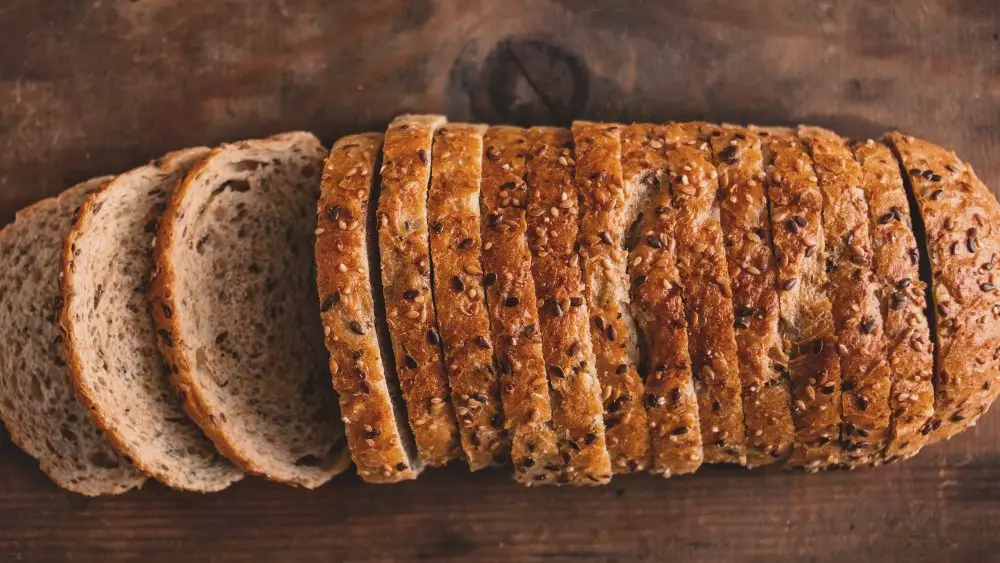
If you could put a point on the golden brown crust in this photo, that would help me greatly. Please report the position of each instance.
(456, 252)
(562, 309)
(605, 211)
(960, 219)
(864, 370)
(701, 261)
(657, 304)
(405, 253)
(747, 227)
(902, 295)
(347, 309)
(514, 324)
(806, 324)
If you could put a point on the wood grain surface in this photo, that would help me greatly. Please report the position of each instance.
(93, 87)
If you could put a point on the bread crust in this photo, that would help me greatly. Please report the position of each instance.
(453, 209)
(562, 308)
(864, 370)
(406, 267)
(902, 295)
(510, 296)
(752, 272)
(807, 329)
(657, 304)
(604, 209)
(960, 219)
(377, 434)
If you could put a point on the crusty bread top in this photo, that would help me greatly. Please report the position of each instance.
(902, 295)
(605, 216)
(406, 268)
(960, 218)
(110, 335)
(235, 304)
(37, 402)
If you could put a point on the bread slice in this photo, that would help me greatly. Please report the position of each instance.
(864, 369)
(110, 335)
(959, 222)
(605, 208)
(902, 298)
(657, 304)
(453, 210)
(510, 297)
(37, 402)
(807, 329)
(406, 284)
(353, 315)
(747, 240)
(235, 303)
(578, 415)
(701, 261)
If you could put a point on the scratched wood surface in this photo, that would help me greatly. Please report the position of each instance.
(92, 87)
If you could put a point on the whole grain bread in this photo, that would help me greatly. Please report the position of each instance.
(235, 304)
(578, 415)
(657, 305)
(743, 212)
(605, 215)
(959, 218)
(902, 296)
(347, 273)
(37, 400)
(406, 269)
(453, 211)
(110, 335)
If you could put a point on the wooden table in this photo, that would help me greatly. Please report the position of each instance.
(92, 87)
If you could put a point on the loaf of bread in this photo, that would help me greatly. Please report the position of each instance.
(572, 303)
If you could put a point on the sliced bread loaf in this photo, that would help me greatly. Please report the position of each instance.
(37, 400)
(110, 335)
(234, 296)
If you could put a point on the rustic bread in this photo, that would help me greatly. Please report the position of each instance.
(510, 297)
(453, 211)
(578, 415)
(111, 338)
(902, 295)
(807, 329)
(235, 303)
(959, 221)
(704, 274)
(371, 406)
(857, 318)
(657, 304)
(746, 228)
(406, 270)
(605, 217)
(37, 401)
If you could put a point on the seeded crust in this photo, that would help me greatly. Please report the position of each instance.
(701, 261)
(234, 304)
(752, 272)
(864, 368)
(901, 294)
(110, 336)
(604, 216)
(370, 402)
(657, 304)
(578, 415)
(510, 297)
(960, 219)
(37, 401)
(807, 329)
(406, 268)
(456, 253)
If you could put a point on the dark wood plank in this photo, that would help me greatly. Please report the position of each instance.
(88, 88)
